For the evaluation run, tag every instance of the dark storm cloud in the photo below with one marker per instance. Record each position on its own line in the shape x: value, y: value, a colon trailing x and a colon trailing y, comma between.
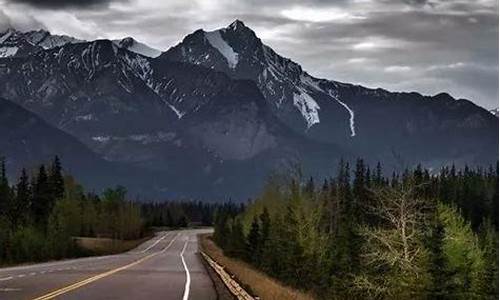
x: 61, y: 4
x: 427, y: 46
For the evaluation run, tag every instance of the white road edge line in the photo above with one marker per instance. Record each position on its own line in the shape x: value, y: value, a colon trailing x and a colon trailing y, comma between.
x: 154, y: 244
x: 188, y: 276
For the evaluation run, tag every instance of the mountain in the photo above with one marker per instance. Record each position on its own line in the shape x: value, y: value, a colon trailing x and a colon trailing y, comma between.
x: 178, y: 119
x: 216, y: 114
x: 494, y: 112
x: 27, y: 141
x: 15, y: 43
x: 401, y: 128
x: 131, y: 44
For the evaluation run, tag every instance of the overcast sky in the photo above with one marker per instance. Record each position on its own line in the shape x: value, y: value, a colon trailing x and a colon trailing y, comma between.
x: 428, y: 46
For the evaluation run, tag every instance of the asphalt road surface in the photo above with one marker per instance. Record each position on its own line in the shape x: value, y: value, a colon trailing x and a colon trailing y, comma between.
x: 164, y: 267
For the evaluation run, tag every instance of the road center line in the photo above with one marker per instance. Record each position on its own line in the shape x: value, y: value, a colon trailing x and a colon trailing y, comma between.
x: 170, y: 244
x: 6, y: 278
x: 154, y: 244
x: 79, y: 284
x: 188, y: 276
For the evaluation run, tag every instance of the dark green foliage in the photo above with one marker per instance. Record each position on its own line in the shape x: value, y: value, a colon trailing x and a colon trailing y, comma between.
x: 412, y: 235
x: 39, y: 219
x: 178, y: 214
x: 236, y: 242
x: 441, y: 286
x: 254, y: 242
x: 56, y: 179
x: 42, y: 202
x: 488, y: 239
x: 20, y: 204
x: 5, y: 192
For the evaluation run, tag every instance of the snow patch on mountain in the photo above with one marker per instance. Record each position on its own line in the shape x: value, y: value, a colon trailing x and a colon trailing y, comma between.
x: 179, y: 113
x: 137, y: 47
x: 6, y: 35
x: 56, y: 41
x: 307, y: 107
x: 216, y: 40
x: 351, y: 112
x: 45, y: 40
x: 310, y: 81
x: 8, y: 51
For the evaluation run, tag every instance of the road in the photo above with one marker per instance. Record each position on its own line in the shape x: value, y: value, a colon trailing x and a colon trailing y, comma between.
x: 164, y: 267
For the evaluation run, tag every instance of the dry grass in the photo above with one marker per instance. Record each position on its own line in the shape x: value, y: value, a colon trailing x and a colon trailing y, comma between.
x: 103, y: 246
x: 261, y: 284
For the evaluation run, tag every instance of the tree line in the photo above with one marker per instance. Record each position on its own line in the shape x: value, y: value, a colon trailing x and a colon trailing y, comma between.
x: 362, y: 235
x: 178, y: 214
x: 45, y: 209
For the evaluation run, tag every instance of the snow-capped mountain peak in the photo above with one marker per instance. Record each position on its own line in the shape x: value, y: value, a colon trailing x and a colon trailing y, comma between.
x: 17, y: 43
x: 237, y: 51
x: 237, y: 24
x: 131, y: 44
x: 215, y: 39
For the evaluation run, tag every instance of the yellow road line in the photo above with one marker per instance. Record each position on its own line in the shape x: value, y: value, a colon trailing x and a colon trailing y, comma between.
x: 79, y: 284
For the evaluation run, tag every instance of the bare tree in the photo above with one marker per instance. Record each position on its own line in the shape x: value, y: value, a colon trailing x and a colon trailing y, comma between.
x: 394, y: 248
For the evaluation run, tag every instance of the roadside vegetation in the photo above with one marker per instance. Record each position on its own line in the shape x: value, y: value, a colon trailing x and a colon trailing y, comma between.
x: 253, y: 280
x: 47, y: 215
x: 361, y: 235
x: 42, y: 212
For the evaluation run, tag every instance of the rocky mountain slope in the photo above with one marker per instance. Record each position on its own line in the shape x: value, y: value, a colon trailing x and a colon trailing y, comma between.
x: 27, y: 141
x: 401, y: 128
x: 215, y: 114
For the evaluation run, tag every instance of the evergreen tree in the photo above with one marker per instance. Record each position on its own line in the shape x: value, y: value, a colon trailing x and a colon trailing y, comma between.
x: 253, y: 242
x: 265, y: 221
x: 56, y: 180
x: 378, y: 174
x: 42, y: 198
x: 20, y: 204
x: 359, y: 192
x: 237, y: 244
x: 309, y: 189
x: 489, y: 273
x: 4, y: 188
x: 441, y: 285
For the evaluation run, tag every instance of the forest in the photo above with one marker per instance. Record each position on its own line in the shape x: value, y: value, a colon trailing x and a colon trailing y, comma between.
x: 362, y: 235
x: 45, y: 209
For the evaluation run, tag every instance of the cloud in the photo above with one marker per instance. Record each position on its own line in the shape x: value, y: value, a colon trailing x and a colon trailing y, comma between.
x: 20, y: 21
x: 61, y: 4
x: 397, y: 69
x: 450, y: 46
x: 357, y: 60
x: 319, y: 14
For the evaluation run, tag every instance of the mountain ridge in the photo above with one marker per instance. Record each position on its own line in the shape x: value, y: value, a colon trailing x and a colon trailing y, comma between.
x: 221, y: 103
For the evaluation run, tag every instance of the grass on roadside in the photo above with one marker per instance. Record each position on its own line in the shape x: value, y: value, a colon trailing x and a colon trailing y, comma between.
x: 260, y: 284
x: 105, y: 246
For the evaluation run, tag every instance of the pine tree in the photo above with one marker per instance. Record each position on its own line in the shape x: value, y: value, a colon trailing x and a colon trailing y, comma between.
x: 56, y: 180
x: 309, y: 189
x: 20, y: 204
x: 265, y: 221
x: 489, y: 273
x: 237, y: 244
x: 4, y: 188
x: 253, y: 242
x: 441, y: 285
x: 359, y: 192
x: 378, y: 174
x: 42, y: 198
